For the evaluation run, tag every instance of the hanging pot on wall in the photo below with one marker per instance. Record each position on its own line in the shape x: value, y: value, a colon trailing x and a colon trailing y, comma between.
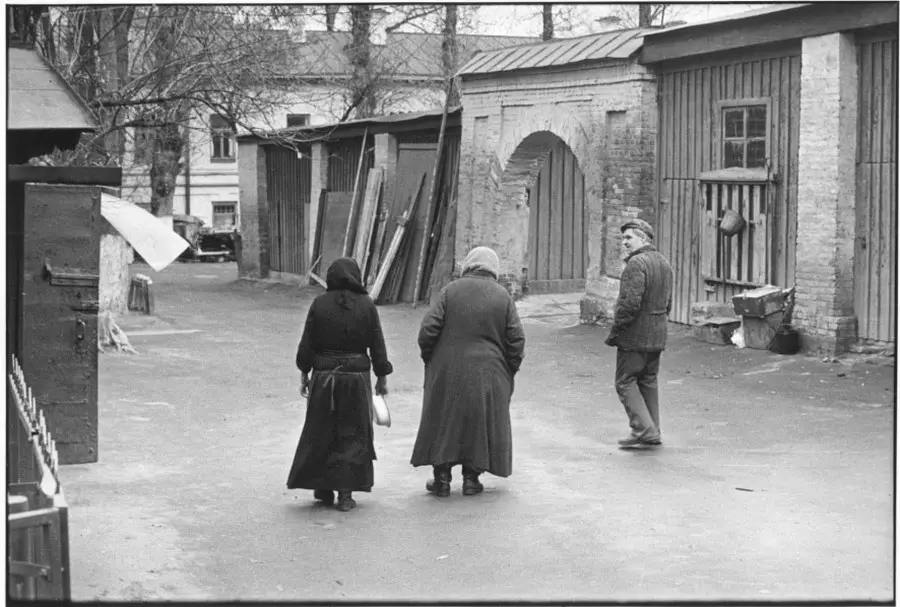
x: 732, y: 223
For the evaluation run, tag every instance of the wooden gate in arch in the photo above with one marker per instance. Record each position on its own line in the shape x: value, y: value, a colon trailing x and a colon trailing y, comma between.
x: 557, y: 225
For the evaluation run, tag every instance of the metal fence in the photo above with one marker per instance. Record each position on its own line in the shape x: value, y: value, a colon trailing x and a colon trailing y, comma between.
x: 38, y: 516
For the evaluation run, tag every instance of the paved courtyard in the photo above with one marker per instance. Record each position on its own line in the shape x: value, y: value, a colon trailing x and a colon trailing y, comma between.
x: 775, y: 481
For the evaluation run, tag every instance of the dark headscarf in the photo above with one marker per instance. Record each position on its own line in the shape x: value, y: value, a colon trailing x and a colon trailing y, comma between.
x: 344, y: 275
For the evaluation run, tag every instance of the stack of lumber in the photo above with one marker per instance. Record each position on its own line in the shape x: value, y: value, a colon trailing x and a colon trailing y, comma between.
x: 408, y: 257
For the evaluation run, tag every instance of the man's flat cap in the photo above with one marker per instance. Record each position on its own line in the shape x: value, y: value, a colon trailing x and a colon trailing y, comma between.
x: 638, y: 224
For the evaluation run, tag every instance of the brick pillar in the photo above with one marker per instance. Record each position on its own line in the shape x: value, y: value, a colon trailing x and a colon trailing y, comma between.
x: 386, y: 158
x: 253, y: 261
x: 318, y: 182
x: 826, y: 198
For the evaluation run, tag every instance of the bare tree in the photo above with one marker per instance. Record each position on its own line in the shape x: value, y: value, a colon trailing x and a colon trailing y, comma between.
x: 165, y: 69
x: 642, y: 15
x: 450, y: 50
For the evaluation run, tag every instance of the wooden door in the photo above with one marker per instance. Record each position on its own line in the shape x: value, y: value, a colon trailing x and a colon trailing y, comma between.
x: 875, y: 252
x: 288, y: 181
x: 59, y: 302
x: 557, y: 230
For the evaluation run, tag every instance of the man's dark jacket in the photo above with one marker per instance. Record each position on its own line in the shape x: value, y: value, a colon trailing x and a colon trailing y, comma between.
x: 645, y: 299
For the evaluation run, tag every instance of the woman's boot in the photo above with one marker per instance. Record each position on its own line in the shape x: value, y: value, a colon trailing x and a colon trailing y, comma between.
x: 324, y: 495
x: 345, y: 501
x: 471, y: 484
x: 440, y: 485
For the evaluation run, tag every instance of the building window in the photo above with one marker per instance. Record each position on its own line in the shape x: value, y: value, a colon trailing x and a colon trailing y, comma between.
x: 224, y: 215
x: 222, y: 138
x: 744, y: 136
x: 298, y: 120
x: 144, y: 140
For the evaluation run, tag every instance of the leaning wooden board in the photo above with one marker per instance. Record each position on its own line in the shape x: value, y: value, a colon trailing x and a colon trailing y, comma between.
x: 367, y: 218
x: 396, y: 242
x: 334, y: 226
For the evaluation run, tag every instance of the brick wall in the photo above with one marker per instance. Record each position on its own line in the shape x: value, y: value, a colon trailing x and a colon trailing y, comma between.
x: 606, y: 114
x: 827, y: 193
x: 253, y: 261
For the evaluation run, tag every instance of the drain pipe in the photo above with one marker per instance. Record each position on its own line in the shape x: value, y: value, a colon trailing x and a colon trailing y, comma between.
x: 187, y: 175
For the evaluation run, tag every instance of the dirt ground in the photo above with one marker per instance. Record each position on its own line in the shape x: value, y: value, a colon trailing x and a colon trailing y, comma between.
x: 775, y: 481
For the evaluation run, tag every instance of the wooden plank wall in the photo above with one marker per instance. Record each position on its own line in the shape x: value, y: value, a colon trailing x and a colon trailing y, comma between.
x: 289, y: 179
x: 875, y: 250
x: 343, y: 160
x: 686, y: 146
x: 557, y: 243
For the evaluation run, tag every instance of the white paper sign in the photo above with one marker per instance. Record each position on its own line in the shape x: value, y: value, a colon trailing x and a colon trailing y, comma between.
x: 155, y: 242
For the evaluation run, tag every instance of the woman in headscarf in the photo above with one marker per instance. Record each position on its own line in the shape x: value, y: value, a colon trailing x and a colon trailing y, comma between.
x: 472, y: 343
x: 342, y: 342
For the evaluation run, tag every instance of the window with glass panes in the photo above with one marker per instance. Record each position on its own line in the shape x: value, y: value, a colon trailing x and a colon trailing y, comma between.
x: 222, y: 135
x: 224, y: 214
x: 744, y: 136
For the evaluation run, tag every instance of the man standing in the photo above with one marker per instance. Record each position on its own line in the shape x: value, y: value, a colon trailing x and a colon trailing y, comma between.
x: 639, y: 331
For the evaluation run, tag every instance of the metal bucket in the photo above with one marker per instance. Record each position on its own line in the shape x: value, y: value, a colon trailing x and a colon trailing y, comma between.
x: 785, y: 341
x: 731, y: 223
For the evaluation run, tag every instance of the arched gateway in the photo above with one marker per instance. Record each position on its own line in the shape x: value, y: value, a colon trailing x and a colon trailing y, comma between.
x: 557, y: 145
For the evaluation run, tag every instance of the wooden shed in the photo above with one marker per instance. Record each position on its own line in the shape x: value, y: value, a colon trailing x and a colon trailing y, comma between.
x: 752, y: 112
x: 296, y: 207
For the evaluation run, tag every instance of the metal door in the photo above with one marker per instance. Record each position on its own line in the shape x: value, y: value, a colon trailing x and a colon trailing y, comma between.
x: 60, y: 274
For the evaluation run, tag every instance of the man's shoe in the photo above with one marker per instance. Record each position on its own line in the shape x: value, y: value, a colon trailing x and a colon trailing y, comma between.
x: 440, y: 484
x: 324, y: 496
x: 345, y: 501
x: 632, y: 441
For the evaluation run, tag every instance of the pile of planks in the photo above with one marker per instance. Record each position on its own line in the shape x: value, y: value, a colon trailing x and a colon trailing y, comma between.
x: 385, y: 252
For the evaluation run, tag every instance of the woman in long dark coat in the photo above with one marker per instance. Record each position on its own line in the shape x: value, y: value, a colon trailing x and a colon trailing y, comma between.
x: 342, y: 331
x: 472, y: 343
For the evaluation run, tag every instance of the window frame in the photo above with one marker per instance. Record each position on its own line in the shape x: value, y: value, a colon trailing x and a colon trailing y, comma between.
x: 223, y: 134
x: 719, y: 128
x: 287, y: 120
x: 234, y: 213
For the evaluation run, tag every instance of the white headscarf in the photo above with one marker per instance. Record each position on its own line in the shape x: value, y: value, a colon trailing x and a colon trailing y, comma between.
x: 482, y: 258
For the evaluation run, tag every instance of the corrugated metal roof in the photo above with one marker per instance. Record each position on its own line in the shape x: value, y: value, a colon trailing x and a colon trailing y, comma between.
x: 756, y: 12
x: 620, y: 44
x: 39, y: 98
x: 396, y: 118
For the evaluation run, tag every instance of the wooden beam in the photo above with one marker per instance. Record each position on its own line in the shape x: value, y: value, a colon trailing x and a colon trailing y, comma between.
x: 348, y: 235
x: 779, y: 26
x: 436, y: 176
x: 68, y: 175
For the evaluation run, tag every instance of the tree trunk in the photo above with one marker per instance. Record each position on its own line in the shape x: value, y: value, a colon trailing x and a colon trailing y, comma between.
x: 645, y: 15
x: 331, y: 11
x: 49, y: 42
x: 362, y: 93
x: 122, y: 18
x: 86, y: 56
x: 547, y: 33
x: 165, y: 166
x: 449, y: 50
x: 165, y: 163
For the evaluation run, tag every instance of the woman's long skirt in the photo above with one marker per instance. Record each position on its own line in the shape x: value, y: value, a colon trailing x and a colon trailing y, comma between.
x: 336, y: 447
